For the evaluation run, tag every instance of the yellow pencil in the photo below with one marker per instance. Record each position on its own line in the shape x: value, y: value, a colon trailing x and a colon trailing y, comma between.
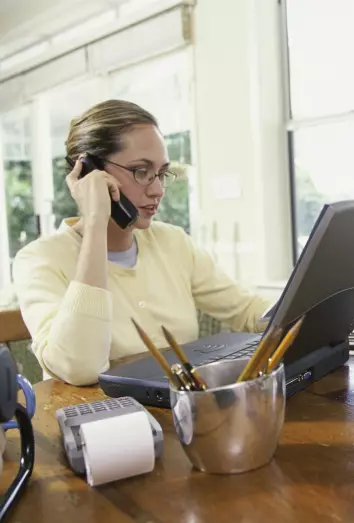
x: 268, y: 352
x: 195, y: 376
x: 262, y: 350
x: 285, y: 344
x: 156, y: 353
x: 174, y: 345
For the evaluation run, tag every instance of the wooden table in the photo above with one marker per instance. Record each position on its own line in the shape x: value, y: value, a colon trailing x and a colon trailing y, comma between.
x: 311, y: 478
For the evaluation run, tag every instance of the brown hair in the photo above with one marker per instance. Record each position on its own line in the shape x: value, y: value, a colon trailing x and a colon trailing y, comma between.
x: 99, y: 130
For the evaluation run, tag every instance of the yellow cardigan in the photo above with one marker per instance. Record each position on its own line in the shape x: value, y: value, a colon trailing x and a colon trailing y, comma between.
x: 77, y: 329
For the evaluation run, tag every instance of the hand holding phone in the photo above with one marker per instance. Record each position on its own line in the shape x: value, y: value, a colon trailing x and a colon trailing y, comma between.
x: 123, y: 212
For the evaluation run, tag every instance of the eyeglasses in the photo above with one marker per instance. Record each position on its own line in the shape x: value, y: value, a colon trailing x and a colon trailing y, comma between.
x: 145, y: 176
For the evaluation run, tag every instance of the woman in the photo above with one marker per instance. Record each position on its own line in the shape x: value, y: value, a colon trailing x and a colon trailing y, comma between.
x: 77, y: 301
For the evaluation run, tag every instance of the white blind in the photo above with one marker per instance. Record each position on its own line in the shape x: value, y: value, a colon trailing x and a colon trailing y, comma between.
x: 159, y: 34
x: 54, y: 73
x: 155, y: 35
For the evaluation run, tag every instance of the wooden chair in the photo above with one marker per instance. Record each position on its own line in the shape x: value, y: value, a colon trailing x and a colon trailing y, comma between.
x: 14, y: 333
x: 12, y: 327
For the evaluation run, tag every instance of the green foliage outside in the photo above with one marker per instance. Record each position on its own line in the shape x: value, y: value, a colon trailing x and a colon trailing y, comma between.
x: 174, y: 207
x: 309, y: 202
x: 19, y: 204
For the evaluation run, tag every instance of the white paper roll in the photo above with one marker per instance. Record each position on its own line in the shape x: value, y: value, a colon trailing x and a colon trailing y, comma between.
x: 117, y: 448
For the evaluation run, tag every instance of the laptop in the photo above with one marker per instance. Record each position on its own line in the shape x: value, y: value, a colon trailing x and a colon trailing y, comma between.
x: 321, y: 285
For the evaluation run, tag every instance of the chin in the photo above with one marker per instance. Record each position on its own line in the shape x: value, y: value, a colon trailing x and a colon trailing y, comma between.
x: 142, y: 223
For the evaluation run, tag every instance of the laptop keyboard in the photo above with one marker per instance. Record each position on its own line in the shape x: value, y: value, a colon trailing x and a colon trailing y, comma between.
x: 246, y: 352
x: 249, y: 349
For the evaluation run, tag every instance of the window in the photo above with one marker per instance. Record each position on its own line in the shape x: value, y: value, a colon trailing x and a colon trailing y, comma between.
x: 321, y: 119
x: 67, y: 103
x: 162, y: 86
x: 21, y: 219
x: 324, y: 171
x: 174, y: 207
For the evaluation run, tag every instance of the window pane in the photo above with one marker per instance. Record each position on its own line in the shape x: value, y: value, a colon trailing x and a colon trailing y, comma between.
x: 63, y: 205
x: 324, y: 172
x: 21, y: 220
x: 321, y: 42
x: 174, y: 207
x: 163, y: 87
x: 67, y: 103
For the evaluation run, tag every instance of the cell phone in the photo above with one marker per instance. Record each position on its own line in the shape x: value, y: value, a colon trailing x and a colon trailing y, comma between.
x: 123, y: 212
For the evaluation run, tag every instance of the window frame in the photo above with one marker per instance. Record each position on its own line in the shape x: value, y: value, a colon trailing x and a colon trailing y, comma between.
x: 294, y: 124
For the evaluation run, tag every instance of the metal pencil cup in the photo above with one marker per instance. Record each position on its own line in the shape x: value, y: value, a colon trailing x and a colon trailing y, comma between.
x: 231, y: 427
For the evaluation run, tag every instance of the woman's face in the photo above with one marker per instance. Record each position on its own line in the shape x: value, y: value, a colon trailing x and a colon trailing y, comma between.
x: 143, y: 147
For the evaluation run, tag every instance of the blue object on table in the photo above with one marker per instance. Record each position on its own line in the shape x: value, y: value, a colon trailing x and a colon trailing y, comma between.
x: 10, y: 382
x: 30, y: 398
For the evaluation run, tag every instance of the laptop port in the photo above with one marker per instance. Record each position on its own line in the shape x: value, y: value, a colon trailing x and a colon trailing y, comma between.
x: 147, y: 393
x: 307, y: 375
x: 159, y: 395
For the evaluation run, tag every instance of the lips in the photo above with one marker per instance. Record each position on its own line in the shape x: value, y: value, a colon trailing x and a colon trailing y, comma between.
x: 149, y: 209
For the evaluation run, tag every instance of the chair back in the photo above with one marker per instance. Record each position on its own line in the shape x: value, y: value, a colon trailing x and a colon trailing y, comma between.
x: 12, y: 326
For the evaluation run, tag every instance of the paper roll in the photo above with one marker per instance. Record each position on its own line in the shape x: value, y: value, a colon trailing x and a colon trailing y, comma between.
x: 117, y: 447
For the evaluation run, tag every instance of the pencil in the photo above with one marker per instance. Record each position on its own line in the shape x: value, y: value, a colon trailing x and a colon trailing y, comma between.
x: 194, y: 374
x: 285, y: 344
x: 173, y: 343
x: 156, y: 353
x: 268, y: 352
x: 262, y: 350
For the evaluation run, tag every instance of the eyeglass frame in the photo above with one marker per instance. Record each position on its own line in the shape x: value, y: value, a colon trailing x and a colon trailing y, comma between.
x: 134, y: 169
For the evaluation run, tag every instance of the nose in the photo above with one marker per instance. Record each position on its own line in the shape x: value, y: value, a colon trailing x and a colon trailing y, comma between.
x: 155, y: 189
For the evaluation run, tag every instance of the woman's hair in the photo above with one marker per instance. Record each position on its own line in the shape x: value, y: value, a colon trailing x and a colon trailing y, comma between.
x: 100, y: 130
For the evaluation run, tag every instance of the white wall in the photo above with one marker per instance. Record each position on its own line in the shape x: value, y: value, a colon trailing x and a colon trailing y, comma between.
x: 241, y: 140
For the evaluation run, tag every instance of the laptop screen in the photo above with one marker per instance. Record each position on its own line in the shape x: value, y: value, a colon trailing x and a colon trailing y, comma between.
x: 325, y: 267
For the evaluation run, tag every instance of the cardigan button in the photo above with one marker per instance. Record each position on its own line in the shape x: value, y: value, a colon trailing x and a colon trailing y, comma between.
x: 142, y: 304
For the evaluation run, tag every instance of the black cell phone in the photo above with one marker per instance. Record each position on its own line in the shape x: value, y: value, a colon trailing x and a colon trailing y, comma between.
x: 123, y: 212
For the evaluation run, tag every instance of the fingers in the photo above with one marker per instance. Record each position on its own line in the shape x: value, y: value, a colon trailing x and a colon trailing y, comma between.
x: 73, y: 178
x: 113, y: 186
x: 75, y: 173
